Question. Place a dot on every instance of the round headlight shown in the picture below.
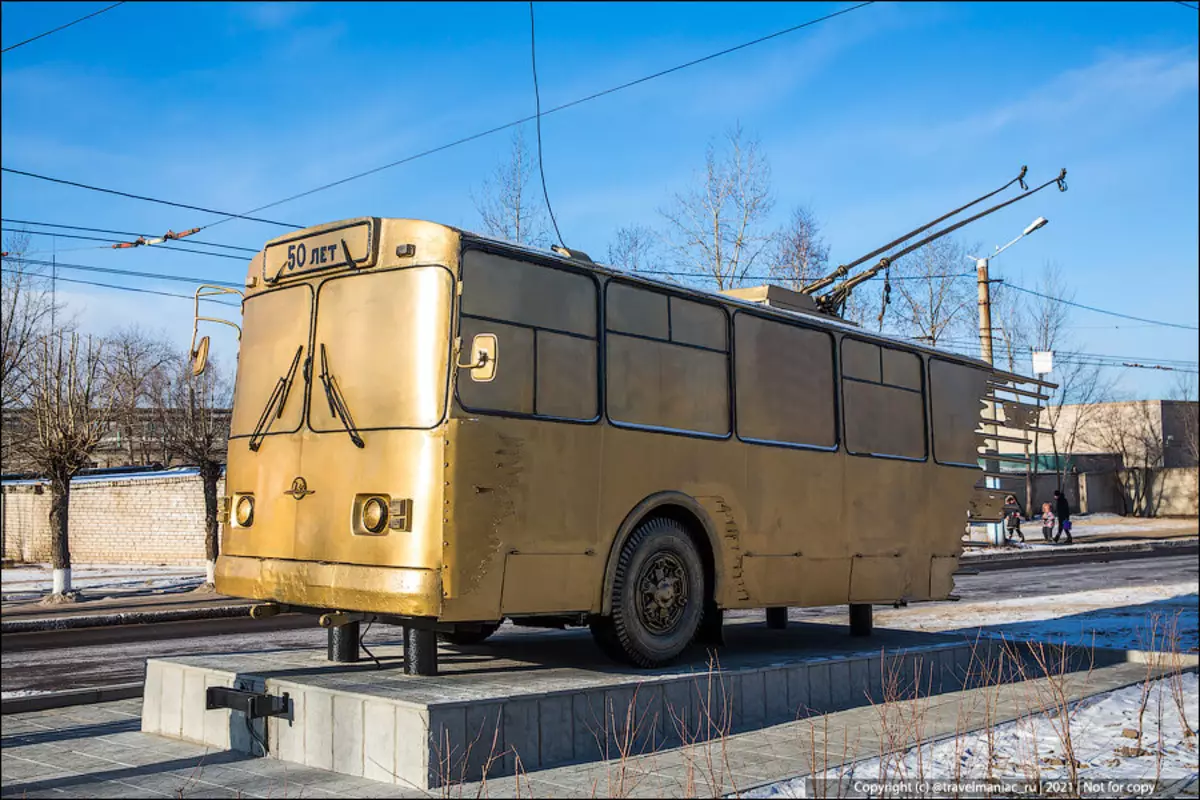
(243, 512)
(375, 514)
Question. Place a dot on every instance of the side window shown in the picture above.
(883, 401)
(545, 324)
(784, 380)
(955, 404)
(667, 362)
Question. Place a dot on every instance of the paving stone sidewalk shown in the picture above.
(99, 751)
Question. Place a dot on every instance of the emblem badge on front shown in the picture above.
(300, 489)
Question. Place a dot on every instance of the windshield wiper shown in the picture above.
(278, 398)
(337, 403)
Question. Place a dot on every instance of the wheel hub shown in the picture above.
(663, 590)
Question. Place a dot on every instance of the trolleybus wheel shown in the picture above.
(466, 638)
(658, 596)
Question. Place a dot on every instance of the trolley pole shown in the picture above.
(995, 529)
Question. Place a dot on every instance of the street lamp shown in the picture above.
(985, 300)
(995, 530)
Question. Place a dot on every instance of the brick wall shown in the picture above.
(144, 520)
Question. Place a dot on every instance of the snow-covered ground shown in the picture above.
(1124, 618)
(1135, 618)
(1033, 748)
(32, 581)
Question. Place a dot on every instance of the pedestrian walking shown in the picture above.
(1047, 522)
(1012, 517)
(1062, 511)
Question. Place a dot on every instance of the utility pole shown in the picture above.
(995, 529)
(985, 309)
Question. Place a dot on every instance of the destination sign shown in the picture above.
(346, 246)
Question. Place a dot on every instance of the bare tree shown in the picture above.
(70, 411)
(801, 254)
(718, 227)
(1081, 387)
(507, 204)
(1133, 431)
(133, 361)
(634, 248)
(1010, 336)
(933, 305)
(193, 420)
(25, 312)
(1184, 392)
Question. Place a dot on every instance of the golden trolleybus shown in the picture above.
(440, 430)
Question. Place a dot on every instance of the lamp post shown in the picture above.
(995, 529)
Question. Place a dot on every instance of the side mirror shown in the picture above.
(200, 357)
(484, 352)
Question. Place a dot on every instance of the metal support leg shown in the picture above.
(343, 643)
(860, 619)
(777, 618)
(710, 632)
(420, 652)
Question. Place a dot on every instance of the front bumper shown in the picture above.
(402, 591)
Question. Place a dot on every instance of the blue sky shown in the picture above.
(877, 120)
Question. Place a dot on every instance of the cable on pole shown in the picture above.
(115, 233)
(131, 273)
(1101, 310)
(131, 196)
(537, 104)
(62, 27)
(11, 271)
(556, 109)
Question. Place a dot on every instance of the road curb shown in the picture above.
(1086, 553)
(123, 618)
(70, 697)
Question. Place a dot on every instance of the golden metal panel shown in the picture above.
(511, 389)
(901, 369)
(881, 578)
(773, 578)
(941, 574)
(698, 324)
(519, 291)
(860, 360)
(667, 386)
(881, 420)
(544, 582)
(274, 324)
(629, 309)
(566, 376)
(344, 587)
(955, 406)
(785, 390)
(386, 339)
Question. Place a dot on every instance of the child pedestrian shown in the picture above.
(1047, 522)
(1012, 516)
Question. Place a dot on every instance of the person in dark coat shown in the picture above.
(1012, 517)
(1063, 512)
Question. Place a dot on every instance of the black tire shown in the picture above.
(468, 638)
(658, 596)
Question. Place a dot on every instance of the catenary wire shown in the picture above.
(132, 289)
(1099, 310)
(563, 107)
(537, 105)
(115, 241)
(61, 27)
(126, 272)
(227, 216)
(119, 233)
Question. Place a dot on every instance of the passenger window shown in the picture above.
(784, 380)
(883, 402)
(666, 361)
(954, 408)
(545, 324)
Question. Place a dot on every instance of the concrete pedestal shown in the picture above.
(545, 698)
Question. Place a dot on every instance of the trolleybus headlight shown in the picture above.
(243, 511)
(375, 514)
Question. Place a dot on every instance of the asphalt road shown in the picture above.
(119, 657)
